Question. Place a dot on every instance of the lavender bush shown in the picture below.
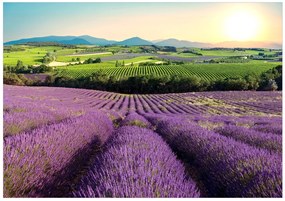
(137, 163)
(263, 140)
(28, 117)
(230, 168)
(134, 119)
(273, 128)
(53, 134)
(32, 159)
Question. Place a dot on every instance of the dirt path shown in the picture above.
(58, 63)
(89, 54)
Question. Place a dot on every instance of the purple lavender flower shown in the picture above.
(32, 159)
(134, 119)
(137, 163)
(228, 166)
(252, 137)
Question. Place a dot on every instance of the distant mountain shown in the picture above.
(41, 39)
(156, 41)
(134, 41)
(75, 41)
(70, 40)
(182, 43)
(89, 40)
(249, 44)
(97, 41)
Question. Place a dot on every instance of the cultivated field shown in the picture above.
(204, 71)
(87, 143)
(124, 62)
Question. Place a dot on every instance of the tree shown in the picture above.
(49, 57)
(19, 64)
(12, 79)
(46, 60)
(275, 75)
(271, 85)
(97, 60)
(63, 81)
(252, 81)
(49, 80)
(88, 61)
(278, 81)
(15, 79)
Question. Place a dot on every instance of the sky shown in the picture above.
(200, 22)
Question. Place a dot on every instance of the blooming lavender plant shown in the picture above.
(137, 163)
(35, 160)
(46, 147)
(134, 119)
(229, 167)
(26, 117)
(269, 128)
(223, 103)
(263, 140)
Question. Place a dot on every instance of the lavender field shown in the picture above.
(65, 142)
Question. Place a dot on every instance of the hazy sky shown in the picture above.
(203, 22)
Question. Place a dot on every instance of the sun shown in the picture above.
(242, 25)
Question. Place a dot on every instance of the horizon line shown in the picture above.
(240, 41)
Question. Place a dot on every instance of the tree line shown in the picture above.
(21, 68)
(269, 80)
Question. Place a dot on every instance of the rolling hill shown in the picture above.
(182, 43)
(249, 44)
(134, 41)
(70, 40)
(97, 41)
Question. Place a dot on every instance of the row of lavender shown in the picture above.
(233, 161)
(232, 166)
(135, 163)
(42, 160)
(261, 132)
(217, 103)
(39, 159)
(132, 119)
(61, 113)
(187, 103)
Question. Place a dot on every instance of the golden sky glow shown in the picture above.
(242, 25)
(203, 22)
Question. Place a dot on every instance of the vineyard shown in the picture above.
(204, 71)
(87, 143)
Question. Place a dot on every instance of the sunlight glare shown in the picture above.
(242, 25)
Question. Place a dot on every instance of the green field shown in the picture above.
(205, 71)
(136, 60)
(69, 57)
(32, 55)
